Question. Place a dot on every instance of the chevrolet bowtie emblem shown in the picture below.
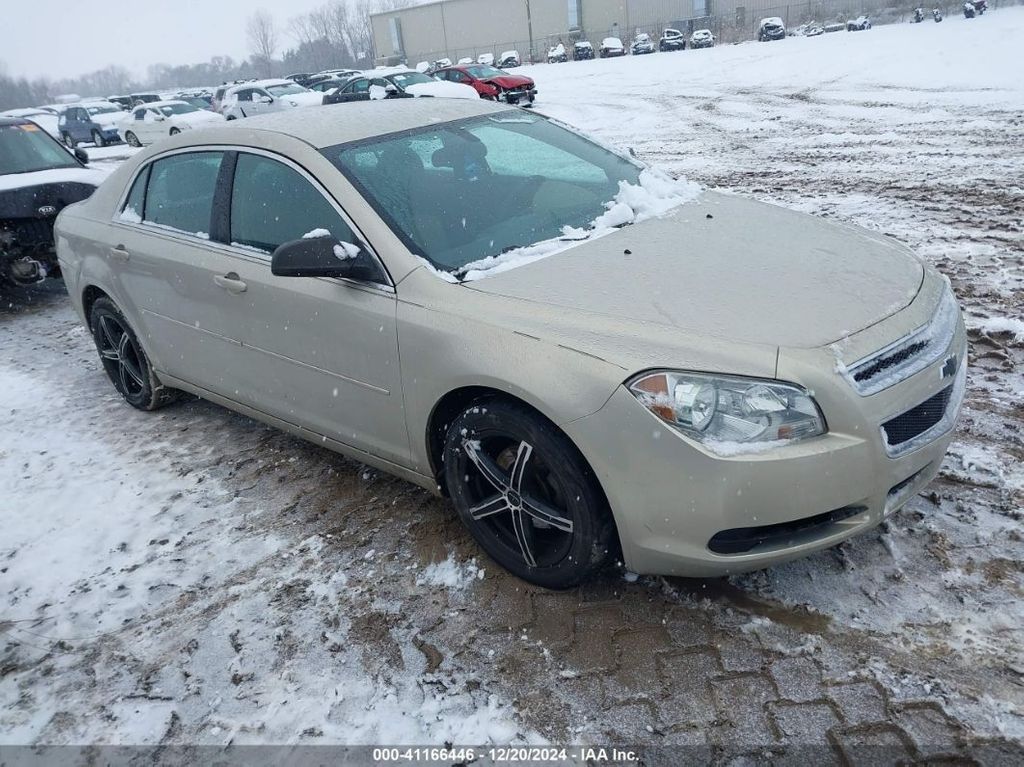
(949, 368)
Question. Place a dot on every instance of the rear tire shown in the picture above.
(527, 495)
(124, 360)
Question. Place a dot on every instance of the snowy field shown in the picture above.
(191, 576)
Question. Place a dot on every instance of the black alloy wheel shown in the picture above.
(527, 495)
(124, 360)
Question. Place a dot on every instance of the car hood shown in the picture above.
(731, 268)
(23, 194)
(304, 99)
(108, 119)
(443, 90)
(199, 118)
(510, 81)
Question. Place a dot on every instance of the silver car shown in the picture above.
(496, 308)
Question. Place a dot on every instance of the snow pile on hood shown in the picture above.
(443, 90)
(656, 195)
(108, 119)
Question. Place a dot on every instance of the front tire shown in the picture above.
(97, 139)
(174, 131)
(68, 141)
(132, 139)
(527, 495)
(124, 360)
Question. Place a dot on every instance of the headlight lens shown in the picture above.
(727, 409)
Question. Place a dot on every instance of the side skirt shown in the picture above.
(427, 483)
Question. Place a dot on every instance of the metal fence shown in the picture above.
(739, 24)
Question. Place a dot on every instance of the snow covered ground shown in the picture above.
(193, 577)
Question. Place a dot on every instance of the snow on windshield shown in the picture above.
(655, 195)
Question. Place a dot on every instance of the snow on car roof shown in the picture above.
(321, 127)
(611, 41)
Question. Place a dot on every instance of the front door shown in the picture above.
(319, 353)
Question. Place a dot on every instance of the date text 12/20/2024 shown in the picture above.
(511, 754)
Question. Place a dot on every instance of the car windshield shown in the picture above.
(177, 109)
(103, 110)
(285, 90)
(405, 79)
(471, 189)
(483, 71)
(27, 148)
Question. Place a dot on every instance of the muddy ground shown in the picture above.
(321, 620)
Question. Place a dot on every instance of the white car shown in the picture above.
(465, 60)
(702, 38)
(151, 122)
(611, 47)
(485, 58)
(266, 96)
(509, 59)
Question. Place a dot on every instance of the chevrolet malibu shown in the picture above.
(601, 362)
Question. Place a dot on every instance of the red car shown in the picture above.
(492, 83)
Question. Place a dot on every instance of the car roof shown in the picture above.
(345, 123)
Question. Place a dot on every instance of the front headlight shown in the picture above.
(726, 409)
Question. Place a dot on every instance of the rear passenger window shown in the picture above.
(180, 192)
(271, 204)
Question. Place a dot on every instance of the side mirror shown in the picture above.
(265, 99)
(82, 156)
(159, 118)
(324, 257)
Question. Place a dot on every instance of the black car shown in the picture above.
(358, 89)
(672, 40)
(582, 50)
(38, 178)
(302, 78)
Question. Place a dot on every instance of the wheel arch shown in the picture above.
(455, 402)
(91, 294)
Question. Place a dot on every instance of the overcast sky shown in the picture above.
(61, 38)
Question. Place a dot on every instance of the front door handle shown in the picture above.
(231, 282)
(120, 253)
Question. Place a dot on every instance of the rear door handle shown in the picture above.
(120, 253)
(231, 282)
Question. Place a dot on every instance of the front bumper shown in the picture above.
(682, 510)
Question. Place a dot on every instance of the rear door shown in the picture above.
(318, 353)
(179, 286)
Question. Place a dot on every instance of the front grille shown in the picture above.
(917, 420)
(882, 364)
(909, 355)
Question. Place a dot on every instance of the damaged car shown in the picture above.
(583, 390)
(38, 178)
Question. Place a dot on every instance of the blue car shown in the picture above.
(94, 121)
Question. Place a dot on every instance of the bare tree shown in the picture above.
(262, 33)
